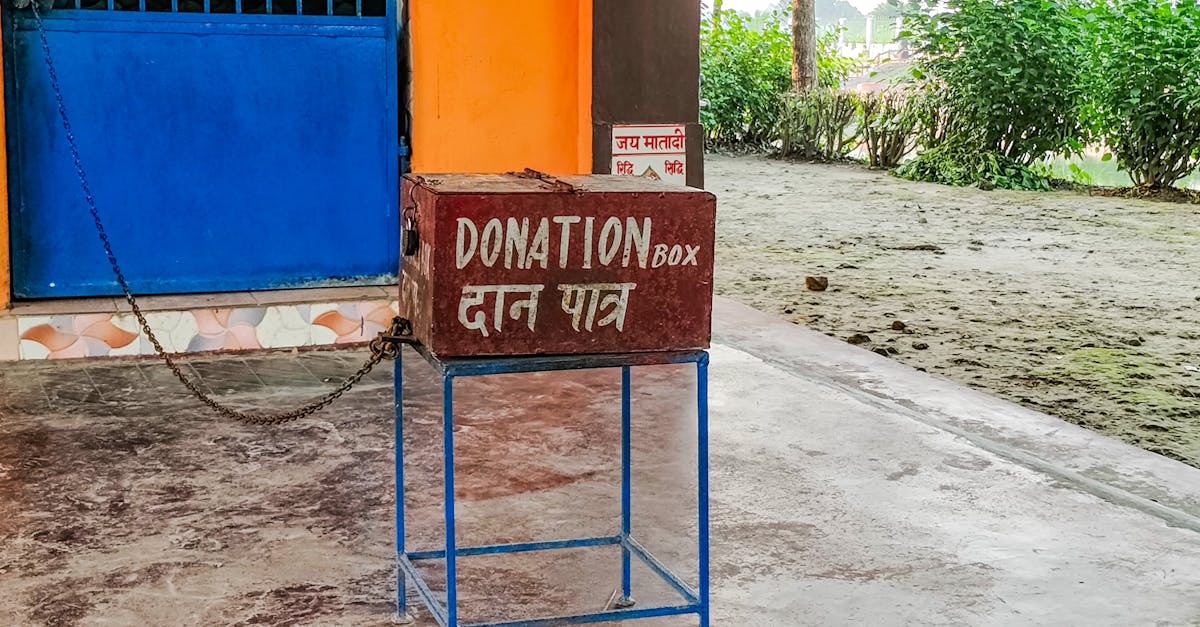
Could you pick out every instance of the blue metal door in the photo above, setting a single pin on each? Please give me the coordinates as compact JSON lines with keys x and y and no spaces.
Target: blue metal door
{"x":231,"y":145}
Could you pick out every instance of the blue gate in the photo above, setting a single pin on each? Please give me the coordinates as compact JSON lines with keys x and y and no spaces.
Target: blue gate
{"x":231,"y":144}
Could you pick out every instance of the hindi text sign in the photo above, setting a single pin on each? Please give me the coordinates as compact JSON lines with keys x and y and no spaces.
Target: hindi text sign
{"x":654,"y":151}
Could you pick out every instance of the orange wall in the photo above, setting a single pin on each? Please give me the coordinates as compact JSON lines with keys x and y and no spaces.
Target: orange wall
{"x":5,"y":266}
{"x":502,"y":85}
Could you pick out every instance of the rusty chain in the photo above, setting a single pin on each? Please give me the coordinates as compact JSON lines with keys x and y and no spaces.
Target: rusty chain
{"x":386,"y":345}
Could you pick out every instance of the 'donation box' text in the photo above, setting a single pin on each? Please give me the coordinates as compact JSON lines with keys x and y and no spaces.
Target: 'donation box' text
{"x":510,"y":266}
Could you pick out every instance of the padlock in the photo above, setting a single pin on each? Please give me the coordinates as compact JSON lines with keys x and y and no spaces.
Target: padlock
{"x":410,"y":242}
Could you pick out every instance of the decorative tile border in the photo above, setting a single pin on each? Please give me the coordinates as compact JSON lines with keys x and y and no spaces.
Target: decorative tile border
{"x":198,"y":330}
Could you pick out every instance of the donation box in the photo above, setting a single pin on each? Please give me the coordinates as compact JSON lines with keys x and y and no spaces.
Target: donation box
{"x":523,"y":264}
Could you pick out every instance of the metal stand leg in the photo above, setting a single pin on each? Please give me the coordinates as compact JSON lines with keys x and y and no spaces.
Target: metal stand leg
{"x":626,"y":598}
{"x":696,"y":600}
{"x":702,"y":464}
{"x":402,"y":616}
{"x":448,"y":456}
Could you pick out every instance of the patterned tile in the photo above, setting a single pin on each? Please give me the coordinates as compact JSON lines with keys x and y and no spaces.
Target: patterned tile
{"x":67,"y":336}
{"x":175,"y":329}
{"x":285,"y":326}
{"x":130,"y":324}
{"x":356,"y":322}
{"x":195,"y":330}
{"x":225,"y":329}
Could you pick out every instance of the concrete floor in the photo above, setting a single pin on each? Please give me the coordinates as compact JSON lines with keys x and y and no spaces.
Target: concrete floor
{"x":847,"y":490}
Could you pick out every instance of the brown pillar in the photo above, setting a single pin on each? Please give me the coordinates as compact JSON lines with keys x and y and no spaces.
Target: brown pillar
{"x":646,"y":70}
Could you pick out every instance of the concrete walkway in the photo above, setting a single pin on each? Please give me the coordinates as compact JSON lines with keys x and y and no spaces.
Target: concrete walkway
{"x":847,"y":490}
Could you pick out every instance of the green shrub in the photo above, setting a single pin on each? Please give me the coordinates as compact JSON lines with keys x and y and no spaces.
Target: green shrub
{"x":955,"y":163}
{"x":934,"y":117}
{"x":1145,"y":86}
{"x":1008,"y":70}
{"x":888,"y":126}
{"x":746,"y":67}
{"x":745,"y":72}
{"x":798,"y":131}
{"x":818,"y":125}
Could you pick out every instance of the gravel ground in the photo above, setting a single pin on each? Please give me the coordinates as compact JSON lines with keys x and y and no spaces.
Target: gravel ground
{"x":1084,"y":307}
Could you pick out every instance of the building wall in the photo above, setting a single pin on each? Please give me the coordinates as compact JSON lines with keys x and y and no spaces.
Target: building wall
{"x":509,"y":84}
{"x":501,"y":85}
{"x":5,"y":262}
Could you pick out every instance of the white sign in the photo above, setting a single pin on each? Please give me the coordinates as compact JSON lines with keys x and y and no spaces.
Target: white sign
{"x":654,"y":151}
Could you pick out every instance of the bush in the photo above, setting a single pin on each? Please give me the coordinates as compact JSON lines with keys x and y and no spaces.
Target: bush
{"x":1145,"y":86}
{"x":818,"y":125}
{"x":955,"y":163}
{"x":934,"y":118}
{"x":888,"y":127}
{"x":745,"y":72}
{"x":1009,"y":70}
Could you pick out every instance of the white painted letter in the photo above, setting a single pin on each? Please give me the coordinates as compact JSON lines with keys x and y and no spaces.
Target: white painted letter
{"x":490,"y":243}
{"x":564,"y":238}
{"x":660,"y":255}
{"x":610,"y":240}
{"x":635,"y":237}
{"x":540,"y":249}
{"x":676,"y":255}
{"x":516,"y":240}
{"x":464,"y":254}
{"x":587,"y":242}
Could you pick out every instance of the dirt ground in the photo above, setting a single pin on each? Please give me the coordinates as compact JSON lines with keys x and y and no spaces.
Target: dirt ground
{"x":1087,"y":308}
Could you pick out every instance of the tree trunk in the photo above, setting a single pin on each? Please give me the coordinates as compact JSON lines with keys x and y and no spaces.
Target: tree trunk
{"x":804,"y":45}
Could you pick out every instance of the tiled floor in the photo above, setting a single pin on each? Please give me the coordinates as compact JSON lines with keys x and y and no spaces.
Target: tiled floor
{"x":846,"y":490}
{"x":111,"y":386}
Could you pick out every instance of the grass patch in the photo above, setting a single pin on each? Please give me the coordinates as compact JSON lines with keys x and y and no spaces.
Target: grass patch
{"x":1128,"y":376}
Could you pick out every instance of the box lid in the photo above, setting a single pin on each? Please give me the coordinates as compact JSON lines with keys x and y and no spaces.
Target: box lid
{"x":536,"y":182}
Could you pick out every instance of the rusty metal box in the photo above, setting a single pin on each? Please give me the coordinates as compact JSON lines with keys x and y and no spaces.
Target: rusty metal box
{"x":524,"y":264}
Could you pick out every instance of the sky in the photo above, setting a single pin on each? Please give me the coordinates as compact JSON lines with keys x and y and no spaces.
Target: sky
{"x":751,"y":6}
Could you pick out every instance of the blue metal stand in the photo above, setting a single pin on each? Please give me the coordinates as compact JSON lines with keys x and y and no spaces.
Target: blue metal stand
{"x":695,"y":600}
